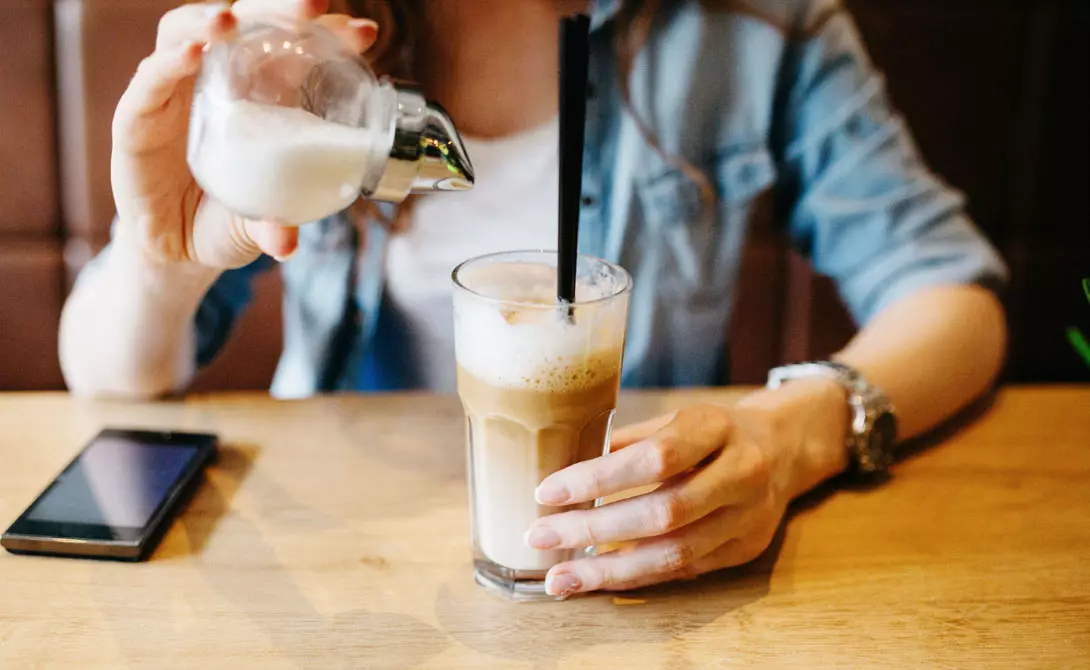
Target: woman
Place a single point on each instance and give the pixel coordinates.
(695, 108)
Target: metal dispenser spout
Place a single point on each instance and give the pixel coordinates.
(427, 152)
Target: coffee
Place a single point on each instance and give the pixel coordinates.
(520, 436)
(539, 385)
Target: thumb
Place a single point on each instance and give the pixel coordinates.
(274, 239)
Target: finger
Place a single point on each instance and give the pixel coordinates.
(673, 554)
(156, 80)
(629, 435)
(689, 438)
(303, 9)
(729, 555)
(357, 34)
(273, 239)
(202, 22)
(738, 551)
(651, 580)
(665, 510)
(754, 537)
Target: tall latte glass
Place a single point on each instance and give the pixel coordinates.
(539, 384)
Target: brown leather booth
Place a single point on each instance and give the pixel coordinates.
(30, 249)
(994, 90)
(64, 65)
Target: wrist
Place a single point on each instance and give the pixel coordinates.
(167, 278)
(127, 328)
(811, 422)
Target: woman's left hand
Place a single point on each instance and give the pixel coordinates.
(725, 477)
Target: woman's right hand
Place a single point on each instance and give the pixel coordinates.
(162, 212)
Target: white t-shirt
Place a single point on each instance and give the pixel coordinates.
(512, 206)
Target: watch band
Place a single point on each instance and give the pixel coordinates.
(873, 430)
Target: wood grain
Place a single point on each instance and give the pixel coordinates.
(334, 533)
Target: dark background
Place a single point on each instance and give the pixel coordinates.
(997, 93)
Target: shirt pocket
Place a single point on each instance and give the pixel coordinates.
(699, 250)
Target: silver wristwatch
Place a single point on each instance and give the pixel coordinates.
(873, 432)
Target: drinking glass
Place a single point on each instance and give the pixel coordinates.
(538, 382)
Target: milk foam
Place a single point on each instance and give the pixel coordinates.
(535, 347)
(278, 163)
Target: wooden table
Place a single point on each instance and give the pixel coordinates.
(333, 533)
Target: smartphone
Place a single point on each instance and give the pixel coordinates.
(115, 499)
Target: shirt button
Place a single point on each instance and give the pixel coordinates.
(588, 200)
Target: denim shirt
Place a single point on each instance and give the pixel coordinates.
(791, 107)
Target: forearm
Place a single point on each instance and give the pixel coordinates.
(932, 353)
(127, 329)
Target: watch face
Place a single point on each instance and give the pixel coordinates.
(883, 434)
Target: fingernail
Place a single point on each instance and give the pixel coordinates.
(551, 493)
(220, 17)
(315, 6)
(542, 538)
(562, 585)
(364, 26)
(194, 49)
(287, 257)
(223, 24)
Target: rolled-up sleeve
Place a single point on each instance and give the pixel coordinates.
(864, 206)
(222, 305)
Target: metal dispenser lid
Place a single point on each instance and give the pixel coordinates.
(427, 152)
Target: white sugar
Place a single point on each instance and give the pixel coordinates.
(278, 163)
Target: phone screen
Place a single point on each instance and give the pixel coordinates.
(119, 480)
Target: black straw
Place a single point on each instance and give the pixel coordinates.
(574, 55)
